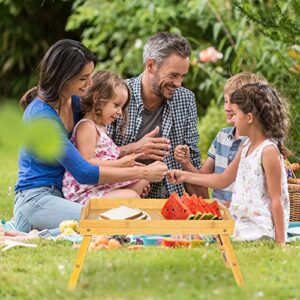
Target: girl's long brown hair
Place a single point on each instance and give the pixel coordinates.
(268, 107)
(101, 92)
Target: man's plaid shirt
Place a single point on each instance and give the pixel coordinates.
(179, 125)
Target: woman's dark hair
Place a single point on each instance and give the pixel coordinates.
(101, 92)
(268, 107)
(61, 62)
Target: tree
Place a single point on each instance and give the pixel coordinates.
(28, 28)
(279, 21)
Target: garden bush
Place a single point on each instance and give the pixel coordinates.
(209, 126)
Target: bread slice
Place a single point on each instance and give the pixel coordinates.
(121, 213)
(142, 217)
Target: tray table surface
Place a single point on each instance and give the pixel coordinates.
(90, 224)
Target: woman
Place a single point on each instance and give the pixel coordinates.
(65, 71)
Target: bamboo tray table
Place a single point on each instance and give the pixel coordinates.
(90, 225)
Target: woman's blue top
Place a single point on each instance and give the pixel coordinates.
(35, 172)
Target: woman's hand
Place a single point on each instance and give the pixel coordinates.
(182, 154)
(130, 160)
(156, 171)
(176, 176)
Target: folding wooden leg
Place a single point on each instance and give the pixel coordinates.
(231, 258)
(79, 261)
(221, 247)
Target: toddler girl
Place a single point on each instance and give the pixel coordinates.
(260, 203)
(105, 101)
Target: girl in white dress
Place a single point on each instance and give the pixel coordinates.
(260, 202)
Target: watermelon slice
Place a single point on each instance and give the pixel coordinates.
(208, 215)
(187, 200)
(212, 210)
(199, 208)
(169, 242)
(174, 243)
(175, 209)
(217, 209)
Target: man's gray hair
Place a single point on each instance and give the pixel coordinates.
(163, 44)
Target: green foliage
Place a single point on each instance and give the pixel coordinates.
(39, 136)
(42, 138)
(209, 126)
(10, 122)
(294, 135)
(278, 19)
(27, 29)
(8, 174)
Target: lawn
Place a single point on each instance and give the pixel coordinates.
(8, 173)
(270, 272)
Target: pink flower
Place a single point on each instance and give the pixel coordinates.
(209, 55)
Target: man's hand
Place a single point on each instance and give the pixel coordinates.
(176, 176)
(152, 147)
(182, 154)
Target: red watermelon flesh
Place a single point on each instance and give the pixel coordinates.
(217, 209)
(208, 213)
(186, 199)
(199, 209)
(169, 242)
(212, 210)
(175, 209)
(203, 204)
(205, 215)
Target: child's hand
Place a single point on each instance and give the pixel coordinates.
(156, 171)
(175, 176)
(146, 191)
(130, 160)
(182, 154)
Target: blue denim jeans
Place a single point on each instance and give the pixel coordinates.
(43, 208)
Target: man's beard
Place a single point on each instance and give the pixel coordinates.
(158, 90)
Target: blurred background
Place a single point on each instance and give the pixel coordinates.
(257, 36)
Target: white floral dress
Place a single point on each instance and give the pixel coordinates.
(251, 203)
(105, 149)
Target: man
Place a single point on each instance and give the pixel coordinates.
(161, 113)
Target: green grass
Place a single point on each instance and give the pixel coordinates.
(152, 273)
(269, 272)
(8, 173)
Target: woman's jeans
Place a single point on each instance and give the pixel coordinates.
(43, 208)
